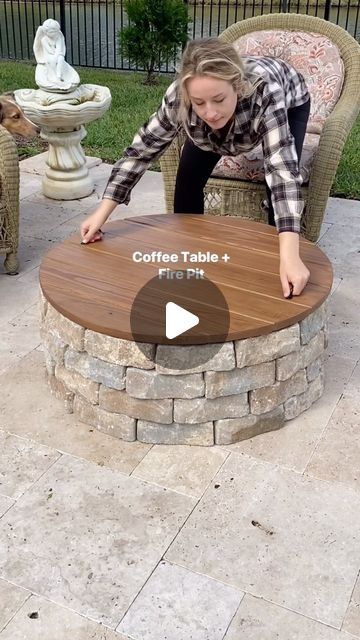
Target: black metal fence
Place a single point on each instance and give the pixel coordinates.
(91, 27)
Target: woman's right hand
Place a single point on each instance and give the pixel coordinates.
(90, 228)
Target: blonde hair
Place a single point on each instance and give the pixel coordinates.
(217, 59)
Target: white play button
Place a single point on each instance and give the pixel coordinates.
(178, 320)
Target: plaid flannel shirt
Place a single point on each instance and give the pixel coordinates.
(260, 118)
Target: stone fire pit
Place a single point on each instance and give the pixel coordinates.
(266, 371)
(251, 386)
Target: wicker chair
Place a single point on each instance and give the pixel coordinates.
(242, 197)
(9, 201)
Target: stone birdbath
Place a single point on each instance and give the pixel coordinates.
(60, 107)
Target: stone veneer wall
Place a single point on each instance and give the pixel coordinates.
(249, 387)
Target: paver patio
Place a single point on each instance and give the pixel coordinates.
(114, 540)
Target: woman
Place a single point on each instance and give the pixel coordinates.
(225, 105)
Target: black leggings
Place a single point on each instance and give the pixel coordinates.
(196, 166)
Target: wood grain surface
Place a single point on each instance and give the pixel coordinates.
(95, 285)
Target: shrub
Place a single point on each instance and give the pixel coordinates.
(156, 30)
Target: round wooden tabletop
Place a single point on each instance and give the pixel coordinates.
(95, 285)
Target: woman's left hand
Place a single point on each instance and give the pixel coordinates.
(294, 272)
(292, 269)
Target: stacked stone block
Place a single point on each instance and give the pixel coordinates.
(161, 394)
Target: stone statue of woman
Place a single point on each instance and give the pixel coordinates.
(53, 73)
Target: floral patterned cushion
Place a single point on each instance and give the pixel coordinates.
(319, 61)
(250, 165)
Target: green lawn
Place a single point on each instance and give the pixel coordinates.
(132, 104)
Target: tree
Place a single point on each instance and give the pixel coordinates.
(157, 28)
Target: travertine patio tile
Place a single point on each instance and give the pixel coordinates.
(37, 415)
(67, 229)
(31, 252)
(342, 248)
(36, 165)
(353, 384)
(31, 277)
(63, 231)
(146, 198)
(88, 537)
(17, 295)
(337, 455)
(5, 504)
(260, 620)
(101, 170)
(29, 184)
(82, 204)
(344, 309)
(18, 337)
(72, 226)
(293, 445)
(337, 213)
(324, 229)
(185, 469)
(352, 618)
(278, 535)
(100, 176)
(21, 464)
(38, 220)
(176, 603)
(55, 623)
(335, 284)
(11, 598)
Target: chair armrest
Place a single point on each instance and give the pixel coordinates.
(169, 163)
(327, 157)
(334, 134)
(9, 185)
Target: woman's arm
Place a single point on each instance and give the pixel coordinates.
(284, 180)
(94, 222)
(292, 269)
(149, 143)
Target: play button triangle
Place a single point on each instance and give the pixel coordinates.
(178, 320)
